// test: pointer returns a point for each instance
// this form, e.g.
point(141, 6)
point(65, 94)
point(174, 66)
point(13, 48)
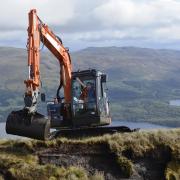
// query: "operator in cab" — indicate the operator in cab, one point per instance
point(88, 92)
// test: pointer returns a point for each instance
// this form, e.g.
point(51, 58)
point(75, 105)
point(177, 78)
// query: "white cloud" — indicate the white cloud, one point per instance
point(119, 13)
point(96, 20)
point(138, 13)
point(168, 33)
point(15, 13)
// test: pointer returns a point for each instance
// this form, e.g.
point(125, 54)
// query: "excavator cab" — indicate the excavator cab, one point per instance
point(89, 106)
point(89, 103)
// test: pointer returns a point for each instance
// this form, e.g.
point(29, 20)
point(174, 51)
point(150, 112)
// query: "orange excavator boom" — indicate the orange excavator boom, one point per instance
point(38, 31)
point(28, 122)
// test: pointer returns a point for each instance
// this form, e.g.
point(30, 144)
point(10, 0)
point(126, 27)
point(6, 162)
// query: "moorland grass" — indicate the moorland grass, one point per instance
point(19, 158)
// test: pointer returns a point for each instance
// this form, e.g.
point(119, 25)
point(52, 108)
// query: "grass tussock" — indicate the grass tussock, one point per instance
point(97, 176)
point(173, 170)
point(125, 166)
point(47, 172)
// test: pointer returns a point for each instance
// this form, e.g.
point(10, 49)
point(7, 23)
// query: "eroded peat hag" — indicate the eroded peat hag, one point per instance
point(100, 157)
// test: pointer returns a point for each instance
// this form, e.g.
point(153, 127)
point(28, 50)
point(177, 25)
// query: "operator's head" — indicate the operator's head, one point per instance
point(89, 85)
point(55, 100)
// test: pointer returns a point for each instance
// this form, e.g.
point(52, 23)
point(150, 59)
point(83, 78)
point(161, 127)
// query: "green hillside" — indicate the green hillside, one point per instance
point(141, 81)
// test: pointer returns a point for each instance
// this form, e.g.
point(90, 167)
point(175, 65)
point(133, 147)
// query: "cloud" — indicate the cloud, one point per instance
point(131, 13)
point(14, 13)
point(96, 21)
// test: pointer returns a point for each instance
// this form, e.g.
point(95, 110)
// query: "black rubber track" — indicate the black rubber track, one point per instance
point(92, 131)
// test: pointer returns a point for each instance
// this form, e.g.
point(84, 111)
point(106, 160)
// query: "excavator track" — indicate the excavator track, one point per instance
point(36, 126)
point(92, 131)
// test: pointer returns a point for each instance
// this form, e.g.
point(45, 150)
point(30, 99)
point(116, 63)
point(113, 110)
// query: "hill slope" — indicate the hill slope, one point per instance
point(141, 81)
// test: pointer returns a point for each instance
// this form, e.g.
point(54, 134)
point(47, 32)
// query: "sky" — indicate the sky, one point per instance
point(88, 23)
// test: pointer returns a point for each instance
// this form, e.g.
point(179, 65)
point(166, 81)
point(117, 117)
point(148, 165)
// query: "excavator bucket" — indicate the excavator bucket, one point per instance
point(34, 125)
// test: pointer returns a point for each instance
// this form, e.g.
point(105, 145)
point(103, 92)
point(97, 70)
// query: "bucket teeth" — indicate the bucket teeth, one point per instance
point(34, 125)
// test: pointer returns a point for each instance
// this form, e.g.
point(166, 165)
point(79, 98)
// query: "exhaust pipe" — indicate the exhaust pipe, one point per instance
point(34, 125)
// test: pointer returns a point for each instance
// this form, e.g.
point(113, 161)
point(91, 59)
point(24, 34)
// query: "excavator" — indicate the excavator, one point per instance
point(85, 104)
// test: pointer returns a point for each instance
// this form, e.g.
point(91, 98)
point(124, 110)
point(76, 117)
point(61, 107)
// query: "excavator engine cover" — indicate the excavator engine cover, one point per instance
point(29, 125)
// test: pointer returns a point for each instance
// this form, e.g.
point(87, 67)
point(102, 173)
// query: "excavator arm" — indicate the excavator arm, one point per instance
point(28, 122)
point(39, 32)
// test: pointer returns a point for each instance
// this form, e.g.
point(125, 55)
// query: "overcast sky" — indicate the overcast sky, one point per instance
point(84, 23)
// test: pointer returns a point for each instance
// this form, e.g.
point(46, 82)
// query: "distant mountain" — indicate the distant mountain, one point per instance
point(141, 80)
point(130, 62)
